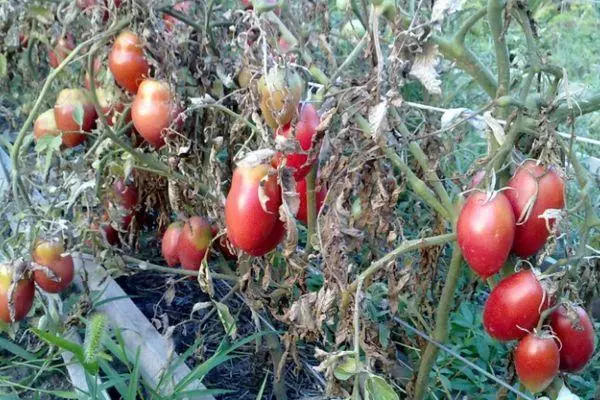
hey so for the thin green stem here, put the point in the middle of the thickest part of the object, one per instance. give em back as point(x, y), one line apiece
point(182, 17)
point(311, 205)
point(351, 57)
point(468, 24)
point(582, 107)
point(356, 10)
point(440, 333)
point(495, 12)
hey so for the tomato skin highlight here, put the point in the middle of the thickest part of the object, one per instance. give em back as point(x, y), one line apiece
point(485, 231)
point(23, 296)
point(514, 306)
point(249, 227)
point(305, 130)
point(67, 102)
point(536, 361)
point(193, 243)
point(127, 62)
point(320, 195)
point(576, 336)
point(169, 243)
point(153, 111)
point(531, 236)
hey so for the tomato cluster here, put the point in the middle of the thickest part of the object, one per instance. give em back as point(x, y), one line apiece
point(186, 243)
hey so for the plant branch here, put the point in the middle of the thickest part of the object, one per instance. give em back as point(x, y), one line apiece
point(468, 24)
point(181, 17)
point(147, 266)
point(495, 11)
point(586, 106)
point(440, 333)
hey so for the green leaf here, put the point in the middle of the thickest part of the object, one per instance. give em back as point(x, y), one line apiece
point(78, 114)
point(384, 334)
point(347, 369)
point(48, 143)
point(377, 388)
point(42, 14)
point(226, 319)
point(16, 349)
point(3, 65)
point(483, 349)
point(259, 396)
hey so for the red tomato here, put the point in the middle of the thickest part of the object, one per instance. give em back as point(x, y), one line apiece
point(306, 128)
point(126, 61)
point(536, 361)
point(250, 227)
point(46, 252)
point(22, 296)
point(169, 243)
point(111, 234)
point(485, 231)
point(575, 331)
point(280, 91)
point(528, 180)
point(153, 111)
point(320, 195)
point(284, 46)
point(514, 306)
point(125, 194)
point(223, 244)
point(193, 243)
point(68, 101)
point(45, 124)
point(64, 271)
point(63, 48)
point(170, 21)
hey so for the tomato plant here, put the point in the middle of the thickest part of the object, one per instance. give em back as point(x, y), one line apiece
point(50, 255)
point(169, 243)
point(153, 111)
point(61, 50)
point(280, 92)
point(194, 241)
point(536, 361)
point(252, 209)
point(533, 190)
point(485, 232)
point(575, 332)
point(304, 132)
point(74, 113)
point(320, 195)
point(514, 306)
point(127, 62)
point(22, 294)
point(126, 197)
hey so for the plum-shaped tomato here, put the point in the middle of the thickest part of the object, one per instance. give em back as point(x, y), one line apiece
point(573, 327)
point(49, 254)
point(63, 48)
point(153, 111)
point(193, 242)
point(280, 92)
point(533, 190)
point(305, 130)
point(21, 297)
point(169, 243)
point(536, 361)
point(320, 195)
point(68, 104)
point(127, 62)
point(485, 230)
point(514, 306)
point(252, 207)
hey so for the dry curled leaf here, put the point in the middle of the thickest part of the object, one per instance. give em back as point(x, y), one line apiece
point(424, 69)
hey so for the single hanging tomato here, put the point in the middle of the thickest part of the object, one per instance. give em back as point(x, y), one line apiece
point(305, 130)
point(169, 243)
point(68, 104)
point(536, 361)
point(63, 48)
point(514, 306)
point(537, 189)
point(50, 255)
point(575, 331)
point(252, 206)
point(320, 195)
point(22, 295)
point(127, 62)
point(485, 231)
point(153, 111)
point(280, 92)
point(193, 243)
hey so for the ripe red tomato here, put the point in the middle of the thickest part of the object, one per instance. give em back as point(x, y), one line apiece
point(169, 243)
point(110, 233)
point(22, 296)
point(68, 101)
point(170, 21)
point(193, 243)
point(485, 231)
point(247, 3)
point(45, 124)
point(514, 306)
point(320, 195)
point(126, 61)
point(126, 197)
point(536, 361)
point(153, 111)
point(306, 128)
point(49, 254)
point(250, 227)
point(280, 92)
point(223, 244)
point(63, 48)
point(528, 180)
point(575, 331)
